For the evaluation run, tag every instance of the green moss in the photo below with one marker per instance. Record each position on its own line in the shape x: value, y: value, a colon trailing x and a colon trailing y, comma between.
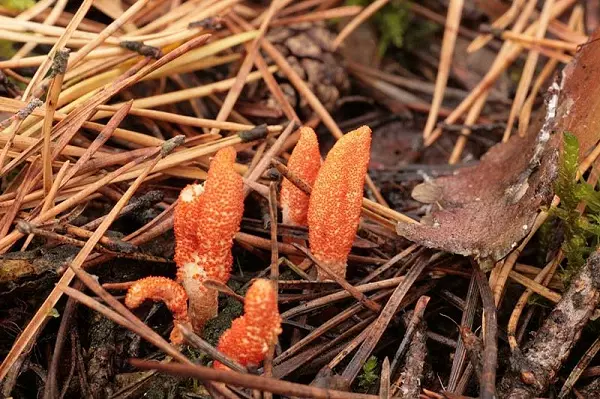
x: 216, y: 327
x: 6, y: 49
x: 581, y: 232
x: 17, y: 5
x: 397, y: 25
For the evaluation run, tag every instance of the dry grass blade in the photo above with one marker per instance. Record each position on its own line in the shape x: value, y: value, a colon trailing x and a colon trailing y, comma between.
x: 332, y: 13
x: 535, y: 286
x: 59, y: 67
x: 548, y: 270
x: 240, y: 80
x: 49, y: 21
x: 102, y: 137
x: 525, y: 114
x: 384, y: 382
x: 60, y: 43
x: 502, y: 22
x: 450, y: 34
x: 528, y: 70
x: 483, y: 86
x: 579, y: 368
x: 17, y: 120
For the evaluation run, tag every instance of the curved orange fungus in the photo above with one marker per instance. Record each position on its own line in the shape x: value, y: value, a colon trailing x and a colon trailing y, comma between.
x: 161, y: 289
x: 251, y: 335
x: 336, y: 200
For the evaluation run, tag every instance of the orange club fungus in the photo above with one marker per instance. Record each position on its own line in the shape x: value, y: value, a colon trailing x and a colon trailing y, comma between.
x: 252, y: 334
x: 205, y: 222
x: 336, y: 201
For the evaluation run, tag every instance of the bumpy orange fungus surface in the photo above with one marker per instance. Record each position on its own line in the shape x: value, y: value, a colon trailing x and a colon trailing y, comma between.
x: 185, y: 222
x: 220, y: 216
x: 304, y: 162
x: 205, y: 222
x: 336, y: 199
x: 250, y: 336
x: 161, y: 289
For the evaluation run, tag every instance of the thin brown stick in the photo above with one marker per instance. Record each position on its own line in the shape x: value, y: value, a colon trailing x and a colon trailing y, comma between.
x: 210, y: 350
x: 247, y: 381
x: 384, y: 382
x: 375, y: 307
x: 585, y: 360
x: 490, y: 355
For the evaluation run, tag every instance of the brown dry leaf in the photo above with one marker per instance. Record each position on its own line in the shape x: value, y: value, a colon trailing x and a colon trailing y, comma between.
x: 579, y: 102
x: 487, y: 209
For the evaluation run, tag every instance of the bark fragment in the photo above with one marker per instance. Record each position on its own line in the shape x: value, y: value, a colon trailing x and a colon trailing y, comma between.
x: 537, y: 367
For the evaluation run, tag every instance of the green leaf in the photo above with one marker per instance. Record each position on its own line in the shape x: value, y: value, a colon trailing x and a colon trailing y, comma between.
x: 369, y: 375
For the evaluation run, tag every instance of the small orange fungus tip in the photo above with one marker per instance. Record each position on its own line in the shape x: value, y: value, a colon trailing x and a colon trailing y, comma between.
x: 251, y: 335
x: 304, y: 163
x: 185, y: 222
x: 336, y: 200
x: 165, y: 290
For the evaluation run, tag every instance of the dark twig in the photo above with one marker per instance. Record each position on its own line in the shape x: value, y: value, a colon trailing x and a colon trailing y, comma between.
x: 470, y: 309
x: 210, y: 350
x: 408, y: 382
x: 487, y: 388
x: 474, y: 347
x: 65, y: 323
x: 579, y: 368
x: 247, y: 380
x: 416, y: 318
x: 141, y: 202
x: 534, y: 370
x: 341, y: 281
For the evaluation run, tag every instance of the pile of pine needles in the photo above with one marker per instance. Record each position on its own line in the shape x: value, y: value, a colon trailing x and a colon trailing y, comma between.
x: 64, y: 156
